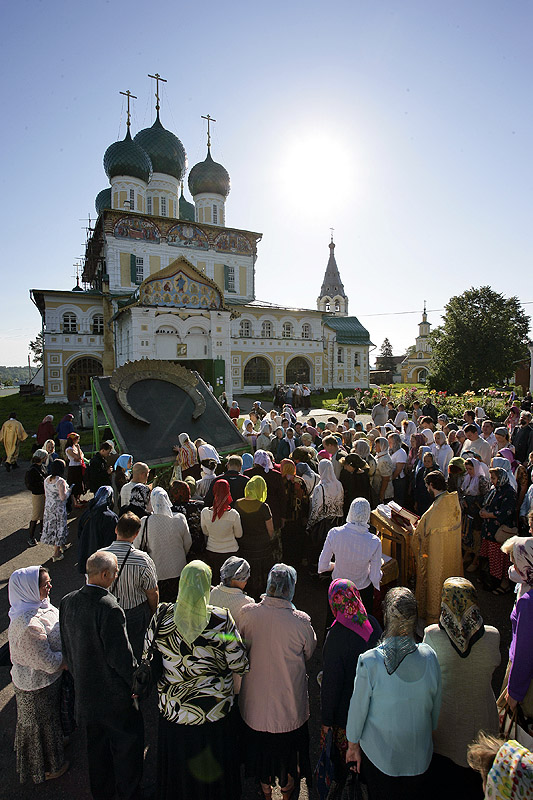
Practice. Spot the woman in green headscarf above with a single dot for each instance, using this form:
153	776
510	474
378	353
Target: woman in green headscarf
258	531
202	649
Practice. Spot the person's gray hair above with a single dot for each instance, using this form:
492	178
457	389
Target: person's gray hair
100	561
362	448
383	444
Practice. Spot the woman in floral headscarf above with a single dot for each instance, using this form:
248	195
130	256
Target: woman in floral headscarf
353	632
505	767
468	652
519	676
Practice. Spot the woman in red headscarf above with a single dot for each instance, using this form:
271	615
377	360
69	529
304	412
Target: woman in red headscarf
222	526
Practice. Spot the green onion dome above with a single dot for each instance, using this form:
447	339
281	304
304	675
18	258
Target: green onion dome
165	150
103	200
127	158
209	177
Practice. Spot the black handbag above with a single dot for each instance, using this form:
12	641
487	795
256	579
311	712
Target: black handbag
151	667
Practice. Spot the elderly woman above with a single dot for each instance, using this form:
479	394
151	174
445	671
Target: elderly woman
222	525
519	471
361	446
234	575
395	707
293	530
201	650
264	438
308	475
518	679
277	444
50	447
96	526
454	441
234	412
56	494
165	537
352	633
356	551
499	509
326	509
280	639
456	472
258	532
76	467
64	427
408	429
468	652
382	487
35	647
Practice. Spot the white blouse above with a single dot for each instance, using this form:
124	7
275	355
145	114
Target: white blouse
35	647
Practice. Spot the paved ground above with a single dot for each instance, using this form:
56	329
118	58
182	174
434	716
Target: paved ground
14	517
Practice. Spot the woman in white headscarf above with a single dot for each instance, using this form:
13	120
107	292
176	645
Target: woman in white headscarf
325	508
443	452
362	448
166	538
408	429
263	440
357	552
504	463
35	647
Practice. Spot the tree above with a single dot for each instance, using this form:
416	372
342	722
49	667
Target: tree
482	336
36	349
386	358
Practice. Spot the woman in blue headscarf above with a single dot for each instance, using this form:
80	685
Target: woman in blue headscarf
96	526
122	473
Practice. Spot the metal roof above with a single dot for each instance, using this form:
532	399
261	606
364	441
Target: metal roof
348	329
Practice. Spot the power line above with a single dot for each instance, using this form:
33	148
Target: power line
429	311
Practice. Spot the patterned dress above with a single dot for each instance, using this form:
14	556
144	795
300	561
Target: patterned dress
55	529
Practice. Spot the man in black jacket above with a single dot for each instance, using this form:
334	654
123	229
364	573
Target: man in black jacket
99	472
237	481
429	410
99	656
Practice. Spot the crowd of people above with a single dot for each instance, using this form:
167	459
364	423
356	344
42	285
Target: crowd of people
198	572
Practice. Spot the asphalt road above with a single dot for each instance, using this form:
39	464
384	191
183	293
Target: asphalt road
310	596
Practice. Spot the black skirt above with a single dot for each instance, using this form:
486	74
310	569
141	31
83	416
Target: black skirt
402	787
268	756
198	761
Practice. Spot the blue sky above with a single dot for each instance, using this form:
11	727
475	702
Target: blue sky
405	126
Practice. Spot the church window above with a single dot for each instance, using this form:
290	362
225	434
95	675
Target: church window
215	215
132	199
148	205
266	330
98	324
306	331
356	360
286	330
245	328
163	206
257	372
229	278
70	323
337	306
327	306
340	355
139	269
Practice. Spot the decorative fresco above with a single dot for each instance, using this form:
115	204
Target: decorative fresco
228	242
185	235
179	291
137	228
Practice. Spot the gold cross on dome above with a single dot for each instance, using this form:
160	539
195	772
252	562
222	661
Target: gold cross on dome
129	95
209	120
157	77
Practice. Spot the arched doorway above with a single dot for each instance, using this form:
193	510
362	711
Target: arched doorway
422	375
298	371
257	372
79	376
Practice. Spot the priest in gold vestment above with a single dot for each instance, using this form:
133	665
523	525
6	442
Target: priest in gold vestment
436	545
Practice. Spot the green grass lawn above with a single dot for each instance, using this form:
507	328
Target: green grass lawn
30	412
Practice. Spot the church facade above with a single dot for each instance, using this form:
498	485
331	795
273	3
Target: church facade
415	366
168	279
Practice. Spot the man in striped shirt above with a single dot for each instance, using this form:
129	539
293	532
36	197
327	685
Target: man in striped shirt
136	585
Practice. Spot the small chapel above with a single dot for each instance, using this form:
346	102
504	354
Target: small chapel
166	278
